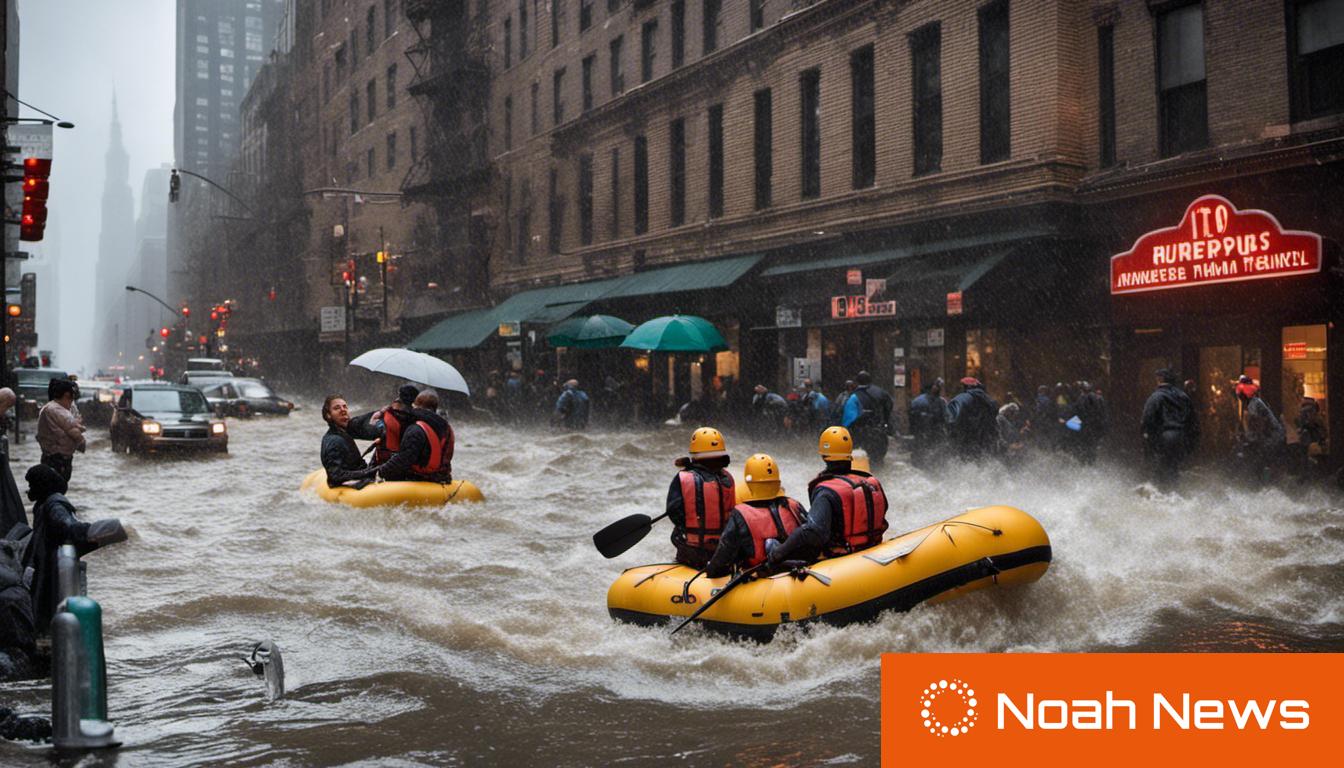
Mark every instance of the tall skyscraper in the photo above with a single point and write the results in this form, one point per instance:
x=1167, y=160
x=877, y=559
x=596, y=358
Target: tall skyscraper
x=116, y=244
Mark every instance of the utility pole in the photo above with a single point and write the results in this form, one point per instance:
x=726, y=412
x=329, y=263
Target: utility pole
x=382, y=267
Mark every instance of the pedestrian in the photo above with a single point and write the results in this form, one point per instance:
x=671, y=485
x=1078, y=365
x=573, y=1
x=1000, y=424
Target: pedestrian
x=55, y=524
x=60, y=431
x=700, y=497
x=1262, y=434
x=572, y=407
x=762, y=520
x=972, y=420
x=815, y=407
x=1311, y=434
x=1168, y=418
x=12, y=511
x=1011, y=432
x=928, y=425
x=1093, y=422
x=840, y=401
x=867, y=416
x=768, y=410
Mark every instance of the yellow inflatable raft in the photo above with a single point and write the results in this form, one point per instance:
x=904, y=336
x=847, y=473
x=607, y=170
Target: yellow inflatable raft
x=416, y=494
x=976, y=549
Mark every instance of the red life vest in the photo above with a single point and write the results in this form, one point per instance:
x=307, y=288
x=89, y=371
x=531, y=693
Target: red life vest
x=391, y=442
x=706, y=507
x=864, y=506
x=776, y=521
x=440, y=450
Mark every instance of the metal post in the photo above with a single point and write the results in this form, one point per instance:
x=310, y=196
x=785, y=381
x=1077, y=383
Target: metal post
x=382, y=266
x=67, y=571
x=65, y=677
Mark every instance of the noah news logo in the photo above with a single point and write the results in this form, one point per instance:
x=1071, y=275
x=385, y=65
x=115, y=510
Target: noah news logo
x=948, y=708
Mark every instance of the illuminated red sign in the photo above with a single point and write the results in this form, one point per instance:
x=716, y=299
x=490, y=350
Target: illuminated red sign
x=1295, y=350
x=1214, y=243
x=857, y=307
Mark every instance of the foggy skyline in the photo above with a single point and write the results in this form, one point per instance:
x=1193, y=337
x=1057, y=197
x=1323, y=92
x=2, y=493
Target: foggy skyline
x=74, y=56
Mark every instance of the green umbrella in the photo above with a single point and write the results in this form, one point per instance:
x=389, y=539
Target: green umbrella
x=596, y=332
x=676, y=333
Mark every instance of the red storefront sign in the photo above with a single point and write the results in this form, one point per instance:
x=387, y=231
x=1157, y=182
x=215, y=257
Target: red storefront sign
x=954, y=303
x=1295, y=350
x=857, y=307
x=1215, y=243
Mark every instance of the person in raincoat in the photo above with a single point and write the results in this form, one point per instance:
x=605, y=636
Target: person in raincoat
x=972, y=420
x=340, y=455
x=12, y=511
x=928, y=424
x=1262, y=434
x=868, y=417
x=572, y=407
x=1167, y=422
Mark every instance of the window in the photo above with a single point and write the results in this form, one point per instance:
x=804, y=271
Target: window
x=1316, y=51
x=1106, y=94
x=716, y=161
x=557, y=12
x=354, y=47
x=809, y=87
x=641, y=185
x=391, y=150
x=676, y=171
x=371, y=99
x=508, y=42
x=522, y=29
x=757, y=14
x=536, y=123
x=370, y=30
x=555, y=213
x=508, y=123
x=927, y=86
x=1180, y=77
x=710, y=22
x=648, y=47
x=588, y=63
x=415, y=145
x=557, y=95
x=369, y=157
x=615, y=192
x=863, y=117
x=585, y=14
x=524, y=238
x=326, y=82
x=995, y=114
x=617, y=74
x=392, y=87
x=763, y=148
x=354, y=111
x=678, y=33
x=389, y=17
x=586, y=199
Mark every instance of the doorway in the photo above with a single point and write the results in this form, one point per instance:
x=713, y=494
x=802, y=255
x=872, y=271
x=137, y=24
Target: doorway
x=1219, y=409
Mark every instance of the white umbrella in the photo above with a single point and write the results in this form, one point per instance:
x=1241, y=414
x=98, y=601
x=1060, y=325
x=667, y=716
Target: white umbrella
x=413, y=366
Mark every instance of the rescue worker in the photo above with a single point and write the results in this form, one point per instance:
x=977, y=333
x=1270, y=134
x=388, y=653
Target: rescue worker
x=764, y=518
x=1168, y=418
x=1262, y=435
x=571, y=408
x=340, y=455
x=426, y=449
x=972, y=420
x=868, y=417
x=848, y=507
x=386, y=425
x=700, y=498
x=928, y=424
x=54, y=524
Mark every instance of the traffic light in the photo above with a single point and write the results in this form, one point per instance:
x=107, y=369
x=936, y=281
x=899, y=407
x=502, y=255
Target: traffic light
x=164, y=332
x=33, y=221
x=14, y=310
x=186, y=311
x=381, y=256
x=174, y=187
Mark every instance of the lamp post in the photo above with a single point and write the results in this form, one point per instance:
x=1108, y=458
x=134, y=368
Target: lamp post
x=165, y=304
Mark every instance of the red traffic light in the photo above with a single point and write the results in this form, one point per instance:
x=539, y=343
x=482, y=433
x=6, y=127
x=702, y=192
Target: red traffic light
x=186, y=311
x=201, y=339
x=15, y=310
x=33, y=220
x=214, y=314
x=164, y=332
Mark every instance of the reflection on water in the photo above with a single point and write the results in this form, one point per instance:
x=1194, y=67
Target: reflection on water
x=479, y=633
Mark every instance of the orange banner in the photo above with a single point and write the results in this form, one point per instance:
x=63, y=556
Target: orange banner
x=1104, y=709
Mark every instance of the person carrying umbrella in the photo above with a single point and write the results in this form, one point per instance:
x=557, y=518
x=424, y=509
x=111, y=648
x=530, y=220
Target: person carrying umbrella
x=700, y=498
x=386, y=424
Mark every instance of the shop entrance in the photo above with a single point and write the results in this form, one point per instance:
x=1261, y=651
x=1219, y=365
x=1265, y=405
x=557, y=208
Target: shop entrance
x=1219, y=410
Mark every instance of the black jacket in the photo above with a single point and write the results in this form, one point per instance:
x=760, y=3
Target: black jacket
x=1168, y=409
x=825, y=514
x=928, y=417
x=735, y=543
x=341, y=459
x=54, y=524
x=876, y=407
x=415, y=450
x=973, y=420
x=1090, y=409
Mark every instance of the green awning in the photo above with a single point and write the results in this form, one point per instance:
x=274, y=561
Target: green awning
x=695, y=276
x=893, y=255
x=463, y=331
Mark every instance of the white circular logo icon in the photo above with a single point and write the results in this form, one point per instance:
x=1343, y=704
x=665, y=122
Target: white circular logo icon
x=948, y=708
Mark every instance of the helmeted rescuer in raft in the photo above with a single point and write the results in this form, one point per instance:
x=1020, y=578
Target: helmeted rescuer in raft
x=386, y=425
x=700, y=498
x=764, y=518
x=848, y=507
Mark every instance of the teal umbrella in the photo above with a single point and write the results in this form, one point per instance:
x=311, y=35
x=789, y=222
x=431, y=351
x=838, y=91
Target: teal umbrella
x=595, y=332
x=676, y=333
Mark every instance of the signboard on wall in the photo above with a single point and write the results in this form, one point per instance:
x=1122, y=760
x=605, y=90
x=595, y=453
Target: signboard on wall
x=859, y=307
x=954, y=303
x=1214, y=243
x=788, y=317
x=875, y=288
x=805, y=368
x=934, y=337
x=332, y=319
x=510, y=329
x=854, y=277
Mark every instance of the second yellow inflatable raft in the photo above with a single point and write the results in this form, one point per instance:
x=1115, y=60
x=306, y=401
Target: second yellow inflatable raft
x=416, y=494
x=979, y=548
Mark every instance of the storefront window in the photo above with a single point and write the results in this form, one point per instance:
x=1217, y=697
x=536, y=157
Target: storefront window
x=988, y=360
x=1304, y=360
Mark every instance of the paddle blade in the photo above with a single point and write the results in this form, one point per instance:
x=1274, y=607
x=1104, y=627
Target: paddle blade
x=621, y=535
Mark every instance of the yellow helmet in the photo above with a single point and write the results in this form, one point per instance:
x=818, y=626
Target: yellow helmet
x=835, y=444
x=707, y=443
x=762, y=476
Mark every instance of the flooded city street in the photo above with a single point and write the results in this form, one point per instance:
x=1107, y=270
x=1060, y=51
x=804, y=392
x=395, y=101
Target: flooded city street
x=479, y=633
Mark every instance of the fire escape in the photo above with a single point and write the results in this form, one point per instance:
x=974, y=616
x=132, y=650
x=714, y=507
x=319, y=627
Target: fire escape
x=451, y=84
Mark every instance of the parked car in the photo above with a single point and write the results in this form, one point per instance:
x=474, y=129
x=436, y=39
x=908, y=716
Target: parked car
x=97, y=401
x=153, y=416
x=244, y=397
x=203, y=378
x=205, y=364
x=32, y=388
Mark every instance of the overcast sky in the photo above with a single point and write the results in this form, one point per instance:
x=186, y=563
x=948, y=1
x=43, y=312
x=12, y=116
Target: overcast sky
x=73, y=55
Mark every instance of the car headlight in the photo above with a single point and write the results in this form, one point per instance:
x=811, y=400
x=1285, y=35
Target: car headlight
x=217, y=428
x=105, y=396
x=151, y=428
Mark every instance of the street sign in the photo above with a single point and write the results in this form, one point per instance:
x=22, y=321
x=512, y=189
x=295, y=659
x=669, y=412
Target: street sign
x=858, y=308
x=332, y=319
x=788, y=317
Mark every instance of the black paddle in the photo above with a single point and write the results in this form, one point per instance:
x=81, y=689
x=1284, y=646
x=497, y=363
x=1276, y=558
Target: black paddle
x=623, y=534
x=733, y=582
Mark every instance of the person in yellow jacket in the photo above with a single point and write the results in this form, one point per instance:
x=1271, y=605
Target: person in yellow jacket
x=764, y=518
